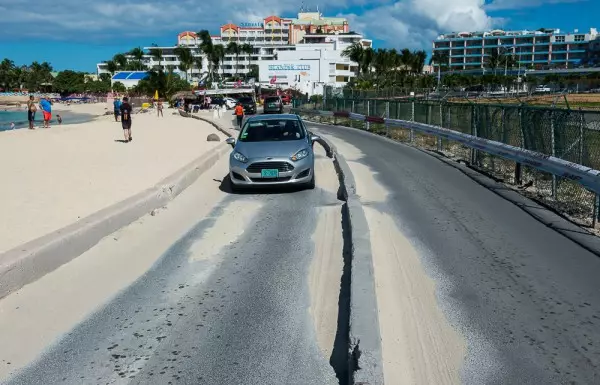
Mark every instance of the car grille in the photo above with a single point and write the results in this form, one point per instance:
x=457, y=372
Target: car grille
x=281, y=166
x=271, y=180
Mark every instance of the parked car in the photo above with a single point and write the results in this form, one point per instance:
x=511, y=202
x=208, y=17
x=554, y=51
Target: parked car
x=543, y=88
x=273, y=105
x=249, y=105
x=272, y=150
x=286, y=99
x=230, y=102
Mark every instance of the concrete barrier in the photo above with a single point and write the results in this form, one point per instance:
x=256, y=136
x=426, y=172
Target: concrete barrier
x=30, y=261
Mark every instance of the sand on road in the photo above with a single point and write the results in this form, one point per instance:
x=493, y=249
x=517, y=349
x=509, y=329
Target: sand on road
x=419, y=346
x=53, y=177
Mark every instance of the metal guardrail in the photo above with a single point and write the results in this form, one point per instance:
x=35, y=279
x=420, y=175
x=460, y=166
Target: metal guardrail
x=583, y=175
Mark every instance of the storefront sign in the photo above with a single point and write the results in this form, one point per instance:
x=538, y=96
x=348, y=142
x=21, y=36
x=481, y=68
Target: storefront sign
x=251, y=25
x=289, y=67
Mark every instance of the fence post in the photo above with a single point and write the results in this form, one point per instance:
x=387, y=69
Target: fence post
x=439, y=138
x=474, y=133
x=412, y=119
x=581, y=132
x=387, y=116
x=336, y=109
x=553, y=150
x=368, y=124
x=518, y=168
x=595, y=213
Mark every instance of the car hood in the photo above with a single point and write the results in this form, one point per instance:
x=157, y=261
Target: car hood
x=273, y=149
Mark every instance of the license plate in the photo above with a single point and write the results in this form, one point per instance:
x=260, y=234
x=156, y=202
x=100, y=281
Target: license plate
x=269, y=173
x=271, y=105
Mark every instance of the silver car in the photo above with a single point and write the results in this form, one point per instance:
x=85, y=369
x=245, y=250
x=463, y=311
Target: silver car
x=272, y=150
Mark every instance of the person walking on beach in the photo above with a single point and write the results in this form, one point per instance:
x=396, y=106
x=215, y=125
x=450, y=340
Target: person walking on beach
x=159, y=108
x=46, y=107
x=59, y=119
x=31, y=109
x=126, y=118
x=117, y=108
x=239, y=114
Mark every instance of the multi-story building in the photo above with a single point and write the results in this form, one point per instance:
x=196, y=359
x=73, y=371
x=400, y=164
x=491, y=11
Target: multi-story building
x=317, y=60
x=269, y=38
x=532, y=49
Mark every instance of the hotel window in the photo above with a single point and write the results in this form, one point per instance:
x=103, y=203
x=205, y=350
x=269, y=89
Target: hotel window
x=579, y=37
x=559, y=39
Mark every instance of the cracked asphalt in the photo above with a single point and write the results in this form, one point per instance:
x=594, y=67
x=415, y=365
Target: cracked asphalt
x=238, y=314
x=526, y=298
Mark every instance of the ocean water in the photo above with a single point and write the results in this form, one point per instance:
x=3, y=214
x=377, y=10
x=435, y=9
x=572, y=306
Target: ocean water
x=19, y=118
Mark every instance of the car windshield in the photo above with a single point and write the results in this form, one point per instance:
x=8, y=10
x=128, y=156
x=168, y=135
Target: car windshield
x=272, y=99
x=269, y=130
x=245, y=100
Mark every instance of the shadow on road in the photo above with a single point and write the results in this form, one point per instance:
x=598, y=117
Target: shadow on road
x=226, y=187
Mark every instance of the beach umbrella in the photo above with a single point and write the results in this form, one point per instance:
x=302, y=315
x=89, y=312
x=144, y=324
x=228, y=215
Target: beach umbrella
x=156, y=94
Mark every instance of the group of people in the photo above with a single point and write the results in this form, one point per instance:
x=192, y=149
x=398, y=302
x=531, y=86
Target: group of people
x=45, y=106
x=123, y=110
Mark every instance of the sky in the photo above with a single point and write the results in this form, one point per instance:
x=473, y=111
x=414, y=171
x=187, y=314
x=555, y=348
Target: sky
x=76, y=34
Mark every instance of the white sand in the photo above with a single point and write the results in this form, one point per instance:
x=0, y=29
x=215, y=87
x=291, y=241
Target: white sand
x=53, y=177
x=419, y=346
x=34, y=316
x=328, y=264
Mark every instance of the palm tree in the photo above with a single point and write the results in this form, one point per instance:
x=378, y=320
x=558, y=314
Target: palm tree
x=217, y=57
x=157, y=54
x=418, y=61
x=234, y=49
x=186, y=59
x=120, y=60
x=7, y=68
x=112, y=67
x=138, y=55
x=494, y=60
x=248, y=49
x=406, y=58
x=355, y=52
x=441, y=60
x=206, y=45
x=367, y=60
x=198, y=64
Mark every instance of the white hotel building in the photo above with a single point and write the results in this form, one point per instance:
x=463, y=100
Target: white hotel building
x=533, y=49
x=308, y=40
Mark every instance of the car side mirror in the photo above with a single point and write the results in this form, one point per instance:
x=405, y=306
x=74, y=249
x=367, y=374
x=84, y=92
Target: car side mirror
x=230, y=141
x=315, y=138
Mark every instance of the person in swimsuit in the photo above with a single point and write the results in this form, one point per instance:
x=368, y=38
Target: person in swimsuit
x=46, y=107
x=31, y=109
x=159, y=108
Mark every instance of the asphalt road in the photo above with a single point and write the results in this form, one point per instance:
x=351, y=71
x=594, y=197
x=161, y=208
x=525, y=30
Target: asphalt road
x=526, y=298
x=235, y=311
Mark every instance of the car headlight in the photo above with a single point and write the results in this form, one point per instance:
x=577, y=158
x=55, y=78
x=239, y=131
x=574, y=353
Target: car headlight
x=239, y=157
x=300, y=155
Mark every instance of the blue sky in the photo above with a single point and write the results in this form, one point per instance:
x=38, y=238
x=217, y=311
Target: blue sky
x=75, y=34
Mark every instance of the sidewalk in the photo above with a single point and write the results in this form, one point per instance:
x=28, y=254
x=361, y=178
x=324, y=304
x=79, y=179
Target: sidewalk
x=52, y=178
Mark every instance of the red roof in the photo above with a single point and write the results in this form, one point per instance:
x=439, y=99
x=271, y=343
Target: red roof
x=188, y=33
x=273, y=18
x=230, y=26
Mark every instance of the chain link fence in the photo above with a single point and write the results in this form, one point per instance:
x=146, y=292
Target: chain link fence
x=573, y=135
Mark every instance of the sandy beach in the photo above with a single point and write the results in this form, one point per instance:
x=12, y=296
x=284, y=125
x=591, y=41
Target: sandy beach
x=53, y=177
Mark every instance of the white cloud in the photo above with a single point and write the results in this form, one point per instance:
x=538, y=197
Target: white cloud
x=518, y=4
x=415, y=23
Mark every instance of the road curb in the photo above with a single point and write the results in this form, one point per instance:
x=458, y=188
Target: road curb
x=365, y=364
x=32, y=260
x=230, y=132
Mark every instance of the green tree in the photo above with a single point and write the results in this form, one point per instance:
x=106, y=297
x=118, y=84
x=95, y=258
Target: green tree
x=8, y=79
x=186, y=59
x=137, y=54
x=120, y=60
x=355, y=53
x=119, y=87
x=157, y=54
x=493, y=60
x=217, y=57
x=68, y=82
x=234, y=49
x=206, y=45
